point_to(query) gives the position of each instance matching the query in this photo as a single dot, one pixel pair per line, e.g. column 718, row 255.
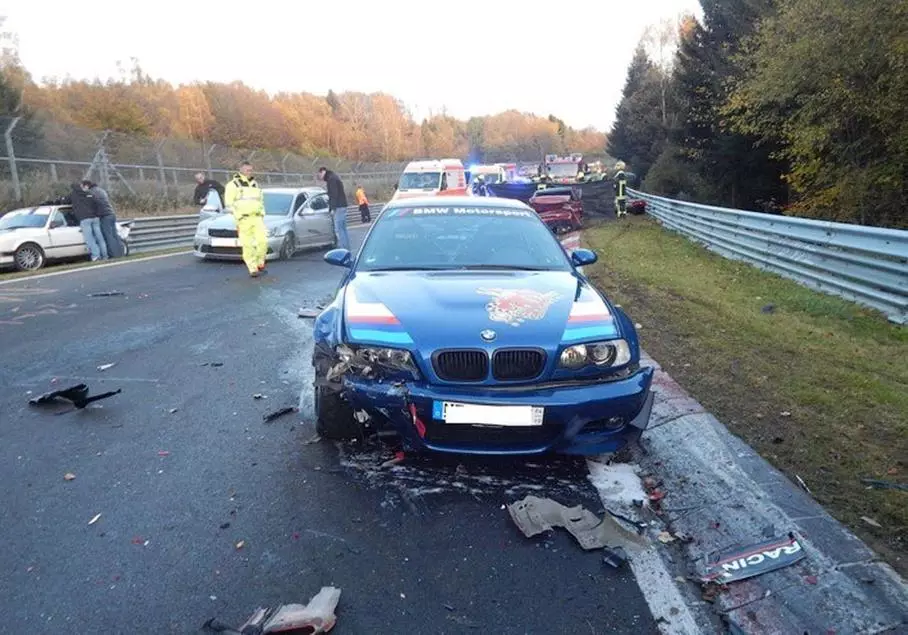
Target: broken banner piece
column 747, row 562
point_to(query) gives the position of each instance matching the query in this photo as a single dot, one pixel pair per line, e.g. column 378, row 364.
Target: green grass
column 840, row 370
column 54, row 268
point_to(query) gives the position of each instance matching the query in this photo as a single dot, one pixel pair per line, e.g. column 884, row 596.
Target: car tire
column 124, row 248
column 334, row 418
column 288, row 247
column 29, row 257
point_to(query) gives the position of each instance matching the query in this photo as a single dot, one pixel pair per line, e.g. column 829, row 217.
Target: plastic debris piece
column 104, row 367
column 241, row 544
column 449, row 607
column 271, row 416
column 163, row 453
column 665, row 537
column 785, row 413
column 656, row 496
column 315, row 617
column 876, row 484
column 872, row 522
column 810, row 579
column 173, row 410
column 77, row 395
column 803, row 484
column 69, row 476
column 105, row 294
column 747, row 562
column 225, row 525
column 258, row 395
column 399, row 457
column 308, row 312
column 94, row 520
column 615, row 557
column 534, row 515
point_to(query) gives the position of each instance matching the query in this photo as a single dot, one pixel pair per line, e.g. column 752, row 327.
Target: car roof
column 459, row 201
column 309, row 189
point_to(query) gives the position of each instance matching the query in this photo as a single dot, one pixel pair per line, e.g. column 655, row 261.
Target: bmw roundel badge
column 488, row 335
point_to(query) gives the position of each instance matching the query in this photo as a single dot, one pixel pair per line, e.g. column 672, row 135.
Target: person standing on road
column 245, row 200
column 203, row 185
column 363, row 202
column 85, row 211
column 106, row 216
column 337, row 205
column 620, row 190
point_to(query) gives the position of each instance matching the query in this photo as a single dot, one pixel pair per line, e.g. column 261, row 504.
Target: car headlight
column 274, row 232
column 368, row 357
column 605, row 354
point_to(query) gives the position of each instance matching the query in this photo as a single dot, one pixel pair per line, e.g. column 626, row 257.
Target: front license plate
column 464, row 413
column 225, row 242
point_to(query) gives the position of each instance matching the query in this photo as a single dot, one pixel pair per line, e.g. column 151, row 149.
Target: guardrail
column 164, row 232
column 868, row 265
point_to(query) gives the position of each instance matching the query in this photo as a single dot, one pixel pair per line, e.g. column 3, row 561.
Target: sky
column 471, row 59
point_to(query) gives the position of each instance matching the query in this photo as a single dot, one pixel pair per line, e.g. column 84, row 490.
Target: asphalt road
column 181, row 468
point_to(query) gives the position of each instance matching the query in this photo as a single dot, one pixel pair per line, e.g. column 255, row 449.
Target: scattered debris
column 803, row 484
column 258, row 395
column 309, row 312
column 104, row 367
column 769, row 308
column 315, row 617
column 876, row 484
column 69, row 476
column 871, row 522
column 665, row 537
column 277, row 414
column 449, row 607
column 225, row 525
column 213, row 364
column 534, row 515
column 398, row 458
column 105, row 294
column 94, row 520
column 241, row 544
column 810, row 579
column 77, row 394
column 163, row 453
column 313, row 440
column 754, row 560
column 614, row 557
column 173, row 410
column 784, row 413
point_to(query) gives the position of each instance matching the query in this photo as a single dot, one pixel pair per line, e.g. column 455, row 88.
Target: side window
column 320, row 202
column 57, row 220
column 300, row 201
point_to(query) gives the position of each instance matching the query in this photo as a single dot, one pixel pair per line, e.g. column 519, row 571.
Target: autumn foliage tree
column 351, row 125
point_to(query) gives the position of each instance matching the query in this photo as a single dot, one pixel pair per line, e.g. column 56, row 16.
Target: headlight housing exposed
column 603, row 354
column 369, row 358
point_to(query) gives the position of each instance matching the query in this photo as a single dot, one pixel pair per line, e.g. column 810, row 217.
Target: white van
column 444, row 177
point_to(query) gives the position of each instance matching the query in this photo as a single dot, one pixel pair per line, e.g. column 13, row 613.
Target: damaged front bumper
column 582, row 417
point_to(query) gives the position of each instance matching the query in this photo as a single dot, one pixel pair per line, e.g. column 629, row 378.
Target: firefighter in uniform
column 244, row 199
column 620, row 190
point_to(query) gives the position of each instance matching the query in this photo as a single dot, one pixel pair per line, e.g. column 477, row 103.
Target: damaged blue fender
column 482, row 360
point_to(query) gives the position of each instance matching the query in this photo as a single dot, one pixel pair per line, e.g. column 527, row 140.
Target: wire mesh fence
column 43, row 156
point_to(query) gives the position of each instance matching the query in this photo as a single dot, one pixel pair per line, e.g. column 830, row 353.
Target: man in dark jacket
column 107, row 217
column 201, row 190
column 337, row 205
column 85, row 212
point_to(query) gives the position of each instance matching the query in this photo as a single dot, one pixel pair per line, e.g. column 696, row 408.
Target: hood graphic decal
column 373, row 322
column 589, row 318
column 515, row 306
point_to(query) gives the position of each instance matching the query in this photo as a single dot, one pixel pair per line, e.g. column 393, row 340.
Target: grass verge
column 88, row 264
column 817, row 385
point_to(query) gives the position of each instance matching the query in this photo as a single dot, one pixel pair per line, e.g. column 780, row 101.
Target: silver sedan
column 296, row 218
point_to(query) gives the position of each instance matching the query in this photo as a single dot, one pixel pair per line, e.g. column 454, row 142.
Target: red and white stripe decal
column 589, row 311
column 368, row 312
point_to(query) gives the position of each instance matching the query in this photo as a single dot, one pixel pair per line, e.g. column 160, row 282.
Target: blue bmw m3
column 464, row 325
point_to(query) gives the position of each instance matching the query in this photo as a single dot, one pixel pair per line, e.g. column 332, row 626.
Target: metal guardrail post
column 11, row 158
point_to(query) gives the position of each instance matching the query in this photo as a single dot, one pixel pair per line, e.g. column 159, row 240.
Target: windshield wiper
column 505, row 267
column 406, row 268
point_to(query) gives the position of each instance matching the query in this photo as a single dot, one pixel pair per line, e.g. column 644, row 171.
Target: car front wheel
column 288, row 247
column 334, row 416
column 29, row 257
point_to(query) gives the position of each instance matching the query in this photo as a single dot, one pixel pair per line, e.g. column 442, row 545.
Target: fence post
column 208, row 160
column 11, row 157
column 284, row 166
column 157, row 153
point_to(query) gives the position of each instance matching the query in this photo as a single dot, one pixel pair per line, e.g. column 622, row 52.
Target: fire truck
column 563, row 169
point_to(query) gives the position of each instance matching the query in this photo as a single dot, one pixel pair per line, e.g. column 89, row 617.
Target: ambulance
column 443, row 177
column 563, row 169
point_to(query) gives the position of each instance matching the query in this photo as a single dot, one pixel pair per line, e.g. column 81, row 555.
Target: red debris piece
column 417, row 423
column 138, row 540
column 163, row 453
column 656, row 496
column 296, row 535
column 810, row 579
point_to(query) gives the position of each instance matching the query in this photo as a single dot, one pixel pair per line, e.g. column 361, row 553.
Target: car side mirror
column 339, row 258
column 583, row 257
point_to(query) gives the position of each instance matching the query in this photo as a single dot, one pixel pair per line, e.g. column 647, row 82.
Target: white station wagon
column 32, row 236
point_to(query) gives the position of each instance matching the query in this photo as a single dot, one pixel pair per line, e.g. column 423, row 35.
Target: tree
column 14, row 82
column 826, row 82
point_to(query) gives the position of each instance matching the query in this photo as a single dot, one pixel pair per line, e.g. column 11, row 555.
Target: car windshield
column 419, row 180
column 24, row 218
column 447, row 237
column 562, row 170
column 278, row 203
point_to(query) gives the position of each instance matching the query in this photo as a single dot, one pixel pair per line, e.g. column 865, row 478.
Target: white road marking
column 618, row 486
column 116, row 263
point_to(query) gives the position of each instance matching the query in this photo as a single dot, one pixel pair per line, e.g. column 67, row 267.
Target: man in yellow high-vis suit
column 244, row 199
column 620, row 189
